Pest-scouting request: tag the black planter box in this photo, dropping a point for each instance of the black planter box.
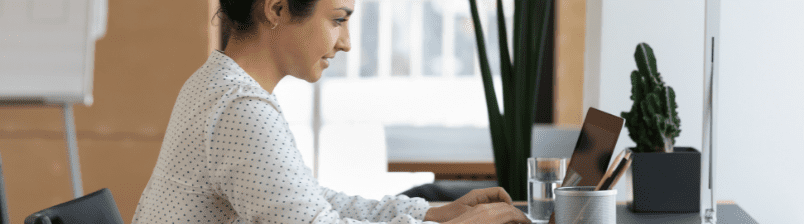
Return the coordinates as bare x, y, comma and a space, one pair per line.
667, 182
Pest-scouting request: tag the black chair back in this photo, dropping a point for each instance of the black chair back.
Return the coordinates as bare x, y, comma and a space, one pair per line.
97, 207
3, 202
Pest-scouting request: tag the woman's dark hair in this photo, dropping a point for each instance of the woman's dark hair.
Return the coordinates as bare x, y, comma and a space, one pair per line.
238, 15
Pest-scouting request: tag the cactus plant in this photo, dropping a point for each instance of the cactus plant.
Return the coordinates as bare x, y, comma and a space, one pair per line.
653, 122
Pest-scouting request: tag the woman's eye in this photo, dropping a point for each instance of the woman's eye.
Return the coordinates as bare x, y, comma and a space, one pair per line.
340, 21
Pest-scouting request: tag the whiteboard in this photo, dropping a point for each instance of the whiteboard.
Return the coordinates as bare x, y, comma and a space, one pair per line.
47, 49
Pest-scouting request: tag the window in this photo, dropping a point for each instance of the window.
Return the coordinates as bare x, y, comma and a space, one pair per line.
413, 63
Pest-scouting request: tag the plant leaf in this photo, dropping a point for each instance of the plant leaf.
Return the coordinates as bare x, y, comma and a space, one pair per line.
543, 25
505, 66
496, 122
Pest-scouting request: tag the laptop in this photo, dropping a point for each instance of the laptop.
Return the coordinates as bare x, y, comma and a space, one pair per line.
594, 148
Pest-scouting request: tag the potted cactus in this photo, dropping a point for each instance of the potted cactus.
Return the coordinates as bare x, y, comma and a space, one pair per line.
664, 178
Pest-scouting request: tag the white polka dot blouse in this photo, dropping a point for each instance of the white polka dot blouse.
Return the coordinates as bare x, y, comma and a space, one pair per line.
228, 157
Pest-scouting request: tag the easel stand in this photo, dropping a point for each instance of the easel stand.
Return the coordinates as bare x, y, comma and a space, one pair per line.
72, 151
72, 142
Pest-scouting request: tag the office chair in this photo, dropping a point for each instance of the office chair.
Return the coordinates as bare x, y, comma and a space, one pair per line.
3, 201
97, 207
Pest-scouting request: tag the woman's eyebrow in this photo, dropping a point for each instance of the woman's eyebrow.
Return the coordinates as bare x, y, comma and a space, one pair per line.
347, 10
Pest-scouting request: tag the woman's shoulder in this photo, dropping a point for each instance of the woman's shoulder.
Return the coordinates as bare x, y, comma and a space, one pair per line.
219, 85
220, 70
220, 76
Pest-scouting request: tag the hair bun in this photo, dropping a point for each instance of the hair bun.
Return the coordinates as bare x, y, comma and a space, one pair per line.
237, 14
238, 11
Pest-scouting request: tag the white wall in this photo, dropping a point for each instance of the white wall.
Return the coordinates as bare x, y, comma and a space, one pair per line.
760, 124
761, 107
674, 29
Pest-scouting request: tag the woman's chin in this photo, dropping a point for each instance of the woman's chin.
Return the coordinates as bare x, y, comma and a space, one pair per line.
313, 77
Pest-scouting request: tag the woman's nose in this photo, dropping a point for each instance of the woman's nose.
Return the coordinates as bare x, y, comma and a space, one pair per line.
344, 44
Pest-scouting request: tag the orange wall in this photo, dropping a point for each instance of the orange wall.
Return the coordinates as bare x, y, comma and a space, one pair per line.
151, 47
568, 91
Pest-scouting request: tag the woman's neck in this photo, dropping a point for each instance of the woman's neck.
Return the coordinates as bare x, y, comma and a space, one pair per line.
254, 57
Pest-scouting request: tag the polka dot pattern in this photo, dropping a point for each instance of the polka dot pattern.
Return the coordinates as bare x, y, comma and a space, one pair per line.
228, 156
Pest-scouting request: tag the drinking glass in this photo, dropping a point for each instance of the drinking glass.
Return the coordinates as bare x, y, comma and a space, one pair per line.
544, 176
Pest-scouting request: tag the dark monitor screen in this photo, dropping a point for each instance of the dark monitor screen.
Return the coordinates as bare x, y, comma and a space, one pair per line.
593, 151
594, 148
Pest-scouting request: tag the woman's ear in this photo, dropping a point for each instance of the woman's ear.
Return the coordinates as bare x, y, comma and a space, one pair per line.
273, 10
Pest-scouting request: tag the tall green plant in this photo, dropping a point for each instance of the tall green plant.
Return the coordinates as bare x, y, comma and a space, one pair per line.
653, 122
511, 132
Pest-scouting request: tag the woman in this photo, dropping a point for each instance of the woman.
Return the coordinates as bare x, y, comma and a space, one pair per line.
228, 155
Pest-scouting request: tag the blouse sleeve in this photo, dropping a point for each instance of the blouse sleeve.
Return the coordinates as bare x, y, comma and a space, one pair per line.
254, 165
356, 207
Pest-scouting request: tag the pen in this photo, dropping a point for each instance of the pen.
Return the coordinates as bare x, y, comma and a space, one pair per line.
620, 164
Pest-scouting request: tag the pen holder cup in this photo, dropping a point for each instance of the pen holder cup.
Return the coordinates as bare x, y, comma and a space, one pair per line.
576, 205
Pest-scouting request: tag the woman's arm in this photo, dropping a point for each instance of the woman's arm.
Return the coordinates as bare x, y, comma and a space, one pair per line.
357, 207
253, 163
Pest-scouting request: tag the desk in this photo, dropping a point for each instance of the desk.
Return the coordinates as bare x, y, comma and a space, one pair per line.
464, 153
727, 212
450, 153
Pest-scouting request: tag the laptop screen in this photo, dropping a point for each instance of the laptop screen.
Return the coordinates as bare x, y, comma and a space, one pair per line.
594, 148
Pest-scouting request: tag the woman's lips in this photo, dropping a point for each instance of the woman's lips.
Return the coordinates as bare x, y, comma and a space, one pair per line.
325, 62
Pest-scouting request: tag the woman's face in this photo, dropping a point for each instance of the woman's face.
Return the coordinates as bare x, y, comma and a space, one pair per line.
306, 46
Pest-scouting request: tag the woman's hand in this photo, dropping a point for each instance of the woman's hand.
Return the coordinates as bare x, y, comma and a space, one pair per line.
499, 212
469, 202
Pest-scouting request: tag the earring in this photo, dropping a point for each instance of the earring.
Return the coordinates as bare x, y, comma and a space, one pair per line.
275, 24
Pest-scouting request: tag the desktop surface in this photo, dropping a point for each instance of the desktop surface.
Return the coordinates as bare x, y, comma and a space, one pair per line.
726, 213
